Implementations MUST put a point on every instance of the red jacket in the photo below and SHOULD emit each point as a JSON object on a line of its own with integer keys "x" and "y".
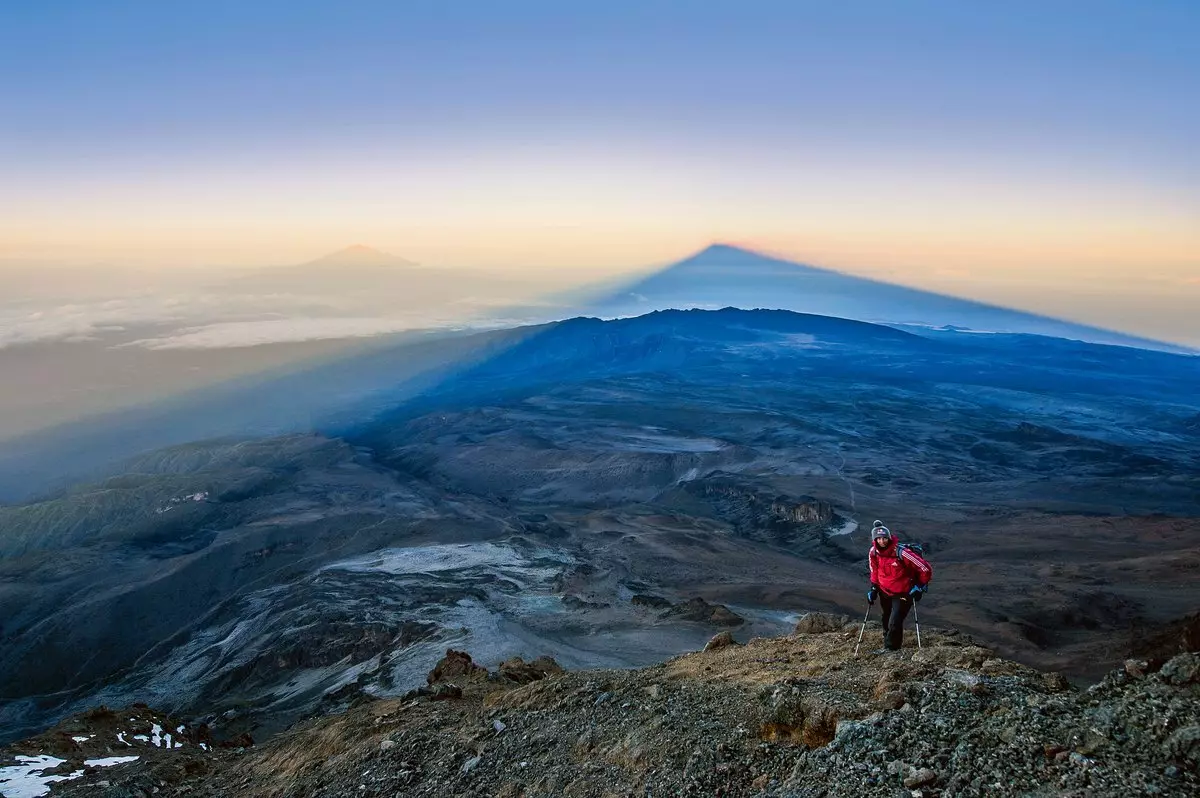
{"x": 894, "y": 575}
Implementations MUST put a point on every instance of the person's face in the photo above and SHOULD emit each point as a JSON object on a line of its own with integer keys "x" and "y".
{"x": 881, "y": 543}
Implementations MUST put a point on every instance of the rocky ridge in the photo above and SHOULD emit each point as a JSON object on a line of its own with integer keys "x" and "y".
{"x": 792, "y": 717}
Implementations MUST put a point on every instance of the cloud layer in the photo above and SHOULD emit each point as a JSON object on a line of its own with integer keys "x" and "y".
{"x": 275, "y": 331}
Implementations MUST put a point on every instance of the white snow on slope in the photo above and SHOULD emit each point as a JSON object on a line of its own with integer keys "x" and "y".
{"x": 28, "y": 780}
{"x": 109, "y": 761}
{"x": 162, "y": 739}
{"x": 25, "y": 780}
{"x": 432, "y": 559}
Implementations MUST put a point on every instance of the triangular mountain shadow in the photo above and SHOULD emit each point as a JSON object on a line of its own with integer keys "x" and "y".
{"x": 723, "y": 276}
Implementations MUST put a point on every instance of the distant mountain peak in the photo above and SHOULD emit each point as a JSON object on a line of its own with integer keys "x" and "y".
{"x": 361, "y": 248}
{"x": 360, "y": 256}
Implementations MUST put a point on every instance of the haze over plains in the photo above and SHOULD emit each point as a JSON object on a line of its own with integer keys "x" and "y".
{"x": 1039, "y": 157}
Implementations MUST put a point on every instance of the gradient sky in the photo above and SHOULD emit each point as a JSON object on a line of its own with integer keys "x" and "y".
{"x": 1042, "y": 154}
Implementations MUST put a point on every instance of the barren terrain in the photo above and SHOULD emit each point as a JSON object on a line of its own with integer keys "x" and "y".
{"x": 612, "y": 493}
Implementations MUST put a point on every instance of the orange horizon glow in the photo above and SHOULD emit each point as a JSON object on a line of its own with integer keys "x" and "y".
{"x": 999, "y": 155}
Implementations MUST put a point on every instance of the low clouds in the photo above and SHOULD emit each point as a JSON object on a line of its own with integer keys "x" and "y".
{"x": 275, "y": 331}
{"x": 34, "y": 322}
{"x": 273, "y": 306}
{"x": 169, "y": 324}
{"x": 79, "y": 322}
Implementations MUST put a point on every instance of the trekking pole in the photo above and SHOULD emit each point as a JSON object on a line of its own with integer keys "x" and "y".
{"x": 917, "y": 622}
{"x": 864, "y": 629}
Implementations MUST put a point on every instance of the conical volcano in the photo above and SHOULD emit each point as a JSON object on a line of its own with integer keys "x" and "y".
{"x": 358, "y": 257}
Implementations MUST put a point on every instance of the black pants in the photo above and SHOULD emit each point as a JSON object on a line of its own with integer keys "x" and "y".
{"x": 895, "y": 610}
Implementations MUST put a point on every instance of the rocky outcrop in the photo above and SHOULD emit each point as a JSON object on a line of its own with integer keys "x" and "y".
{"x": 796, "y": 510}
{"x": 775, "y": 718}
{"x": 720, "y": 640}
{"x": 758, "y": 513}
{"x": 653, "y": 602}
{"x": 700, "y": 611}
{"x": 519, "y": 671}
{"x": 455, "y": 666}
{"x": 1182, "y": 670}
{"x": 576, "y": 603}
{"x": 805, "y": 511}
{"x": 1163, "y": 641}
{"x": 695, "y": 609}
{"x": 818, "y": 622}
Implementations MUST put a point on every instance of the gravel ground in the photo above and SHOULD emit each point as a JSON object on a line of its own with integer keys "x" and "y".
{"x": 775, "y": 718}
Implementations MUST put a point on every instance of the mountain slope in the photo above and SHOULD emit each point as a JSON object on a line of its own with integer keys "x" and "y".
{"x": 573, "y": 485}
{"x": 792, "y": 717}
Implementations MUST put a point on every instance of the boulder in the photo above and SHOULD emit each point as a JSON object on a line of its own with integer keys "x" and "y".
{"x": 1182, "y": 670}
{"x": 1055, "y": 682}
{"x": 723, "y": 616}
{"x": 1136, "y": 668}
{"x": 445, "y": 692}
{"x": 919, "y": 777}
{"x": 1184, "y": 745}
{"x": 821, "y": 622}
{"x": 522, "y": 672}
{"x": 456, "y": 665}
{"x": 720, "y": 640}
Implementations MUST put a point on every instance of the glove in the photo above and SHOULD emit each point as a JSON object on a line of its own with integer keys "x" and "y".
{"x": 916, "y": 592}
{"x": 872, "y": 594}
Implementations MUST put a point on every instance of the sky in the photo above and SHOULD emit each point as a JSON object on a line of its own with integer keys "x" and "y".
{"x": 1038, "y": 154}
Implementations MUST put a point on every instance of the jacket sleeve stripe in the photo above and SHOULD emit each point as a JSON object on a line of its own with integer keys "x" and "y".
{"x": 917, "y": 562}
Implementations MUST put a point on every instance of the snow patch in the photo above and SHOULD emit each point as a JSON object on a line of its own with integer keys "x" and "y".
{"x": 845, "y": 528}
{"x": 200, "y": 496}
{"x": 109, "y": 761}
{"x": 25, "y": 780}
{"x": 433, "y": 559}
{"x": 161, "y": 739}
{"x": 650, "y": 440}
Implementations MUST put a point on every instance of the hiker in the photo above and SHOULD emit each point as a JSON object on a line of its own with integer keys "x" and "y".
{"x": 899, "y": 577}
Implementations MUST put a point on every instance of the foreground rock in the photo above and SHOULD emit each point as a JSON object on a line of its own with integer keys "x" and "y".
{"x": 519, "y": 671}
{"x": 818, "y": 622}
{"x": 781, "y": 718}
{"x": 720, "y": 640}
{"x": 455, "y": 666}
